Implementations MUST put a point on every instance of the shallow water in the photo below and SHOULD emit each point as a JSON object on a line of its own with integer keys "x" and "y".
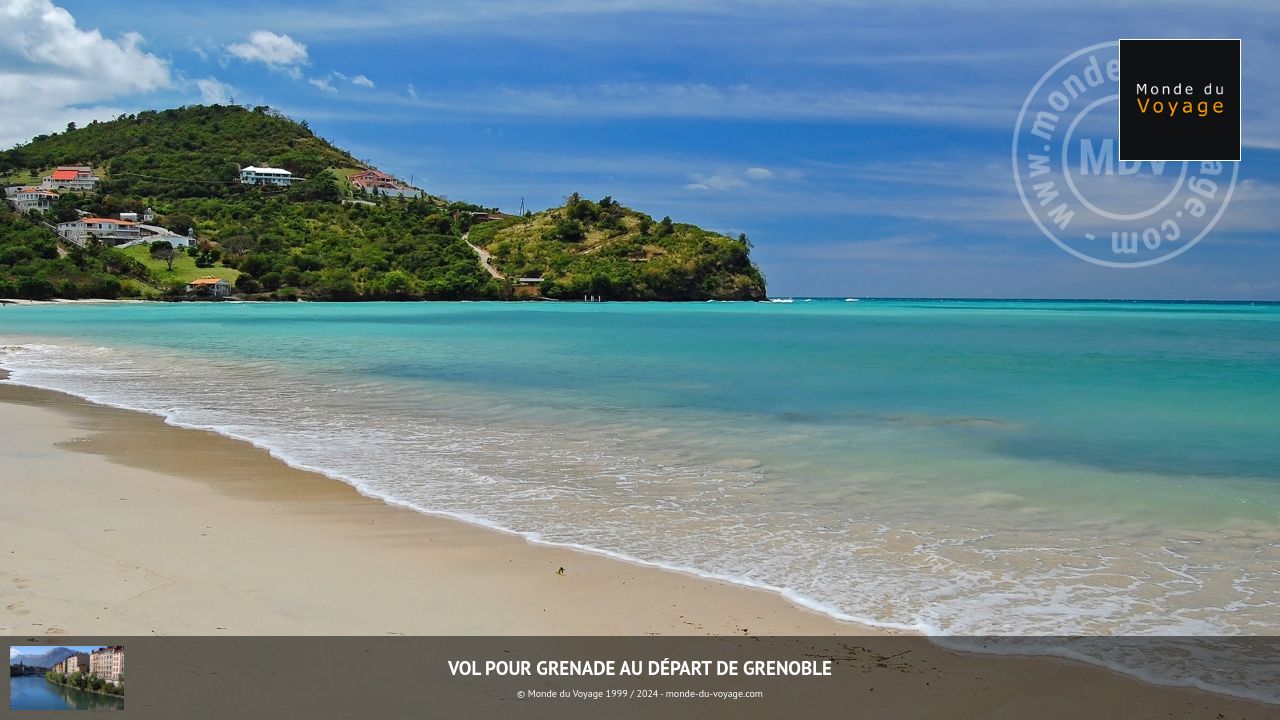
{"x": 953, "y": 467}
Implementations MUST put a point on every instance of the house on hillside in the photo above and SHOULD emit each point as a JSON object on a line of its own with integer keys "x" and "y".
{"x": 371, "y": 179}
{"x": 70, "y": 177}
{"x": 377, "y": 182}
{"x": 479, "y": 217}
{"x": 209, "y": 287}
{"x": 267, "y": 176}
{"x": 32, "y": 198}
{"x": 106, "y": 230}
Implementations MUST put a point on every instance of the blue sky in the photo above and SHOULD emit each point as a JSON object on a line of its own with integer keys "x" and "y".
{"x": 863, "y": 148}
{"x": 15, "y": 650}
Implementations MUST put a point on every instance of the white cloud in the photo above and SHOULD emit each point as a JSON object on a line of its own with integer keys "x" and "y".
{"x": 723, "y": 180}
{"x": 52, "y": 72}
{"x": 278, "y": 52}
{"x": 324, "y": 84}
{"x": 215, "y": 92}
{"x": 413, "y": 91}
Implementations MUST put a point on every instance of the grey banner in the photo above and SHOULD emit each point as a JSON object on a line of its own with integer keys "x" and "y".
{"x": 514, "y": 677}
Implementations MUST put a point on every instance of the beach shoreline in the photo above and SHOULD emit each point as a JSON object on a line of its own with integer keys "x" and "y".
{"x": 188, "y": 532}
{"x": 240, "y": 483}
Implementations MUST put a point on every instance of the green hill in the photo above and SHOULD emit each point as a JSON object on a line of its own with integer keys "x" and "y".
{"x": 186, "y": 152}
{"x": 602, "y": 248}
{"x": 316, "y": 239}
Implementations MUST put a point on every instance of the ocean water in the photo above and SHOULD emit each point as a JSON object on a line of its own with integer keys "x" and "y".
{"x": 952, "y": 467}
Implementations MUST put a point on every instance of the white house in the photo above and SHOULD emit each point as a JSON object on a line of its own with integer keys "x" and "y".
{"x": 266, "y": 176}
{"x": 32, "y": 198}
{"x": 107, "y": 230}
{"x": 71, "y": 177}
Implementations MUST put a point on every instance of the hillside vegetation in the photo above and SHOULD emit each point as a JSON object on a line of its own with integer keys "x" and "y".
{"x": 318, "y": 240}
{"x": 32, "y": 265}
{"x": 604, "y": 249}
{"x": 187, "y": 152}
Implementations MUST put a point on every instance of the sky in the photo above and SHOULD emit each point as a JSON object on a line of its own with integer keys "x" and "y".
{"x": 15, "y": 650}
{"x": 864, "y": 147}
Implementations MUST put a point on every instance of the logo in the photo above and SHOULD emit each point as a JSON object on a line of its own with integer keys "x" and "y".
{"x": 1107, "y": 211}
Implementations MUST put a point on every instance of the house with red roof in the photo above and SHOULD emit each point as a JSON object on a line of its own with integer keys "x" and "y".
{"x": 71, "y": 177}
{"x": 376, "y": 182}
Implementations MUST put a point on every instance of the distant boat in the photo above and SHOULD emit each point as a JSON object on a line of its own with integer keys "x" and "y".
{"x": 781, "y": 300}
{"x": 851, "y": 299}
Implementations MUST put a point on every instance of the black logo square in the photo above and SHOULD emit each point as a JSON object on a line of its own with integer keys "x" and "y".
{"x": 1179, "y": 100}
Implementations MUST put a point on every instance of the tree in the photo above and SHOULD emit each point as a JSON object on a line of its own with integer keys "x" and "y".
{"x": 179, "y": 223}
{"x": 666, "y": 227}
{"x": 36, "y": 288}
{"x": 64, "y": 209}
{"x": 247, "y": 284}
{"x": 163, "y": 250}
{"x": 569, "y": 231}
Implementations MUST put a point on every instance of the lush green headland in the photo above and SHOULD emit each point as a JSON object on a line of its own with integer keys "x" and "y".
{"x": 322, "y": 238}
{"x": 604, "y": 249}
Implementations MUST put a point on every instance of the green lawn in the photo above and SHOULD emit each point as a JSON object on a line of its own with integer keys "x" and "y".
{"x": 21, "y": 178}
{"x": 343, "y": 176}
{"x": 184, "y": 267}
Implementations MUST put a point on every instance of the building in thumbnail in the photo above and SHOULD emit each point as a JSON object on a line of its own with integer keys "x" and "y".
{"x": 107, "y": 663}
{"x": 76, "y": 663}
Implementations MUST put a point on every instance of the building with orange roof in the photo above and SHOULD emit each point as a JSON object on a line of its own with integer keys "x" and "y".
{"x": 209, "y": 286}
{"x": 106, "y": 230}
{"x": 27, "y": 199}
{"x": 71, "y": 177}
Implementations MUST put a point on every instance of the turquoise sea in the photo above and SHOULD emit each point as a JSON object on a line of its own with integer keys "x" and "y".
{"x": 953, "y": 467}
